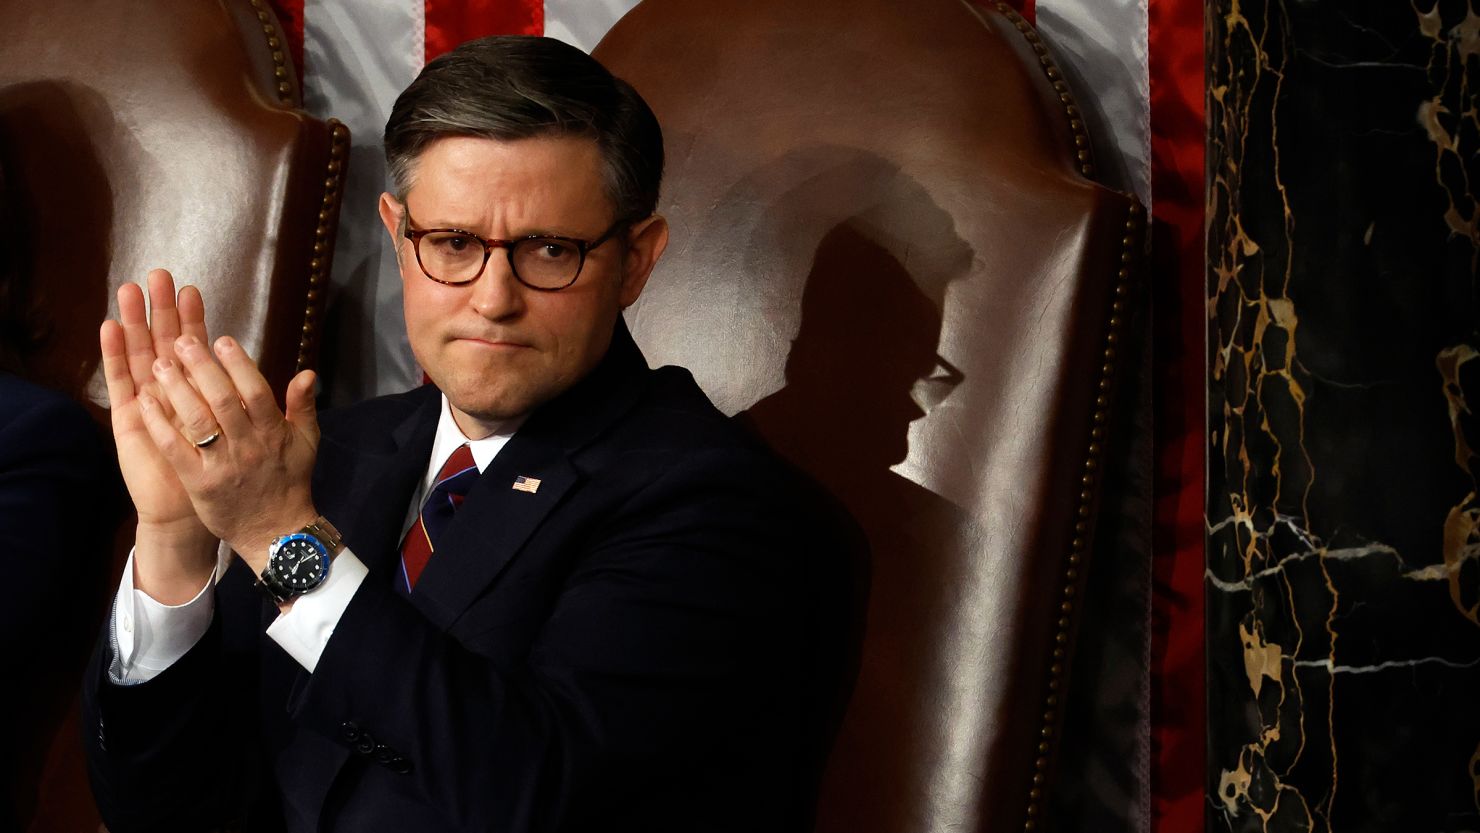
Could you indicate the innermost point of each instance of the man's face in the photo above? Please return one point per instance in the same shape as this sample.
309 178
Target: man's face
495 347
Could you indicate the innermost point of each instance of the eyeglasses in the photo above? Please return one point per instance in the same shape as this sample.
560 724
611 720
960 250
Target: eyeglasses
545 262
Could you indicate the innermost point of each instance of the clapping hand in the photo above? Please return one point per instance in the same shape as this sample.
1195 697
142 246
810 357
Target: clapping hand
205 451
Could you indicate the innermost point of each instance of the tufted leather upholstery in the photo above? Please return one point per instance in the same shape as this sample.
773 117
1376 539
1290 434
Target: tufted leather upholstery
158 133
889 254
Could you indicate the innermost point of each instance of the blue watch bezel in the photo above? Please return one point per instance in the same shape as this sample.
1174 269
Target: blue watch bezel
325 560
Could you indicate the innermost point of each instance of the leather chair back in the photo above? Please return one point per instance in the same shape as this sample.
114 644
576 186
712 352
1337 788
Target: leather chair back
156 133
166 133
889 254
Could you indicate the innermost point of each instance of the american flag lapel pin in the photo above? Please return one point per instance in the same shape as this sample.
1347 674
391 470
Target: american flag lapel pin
526 484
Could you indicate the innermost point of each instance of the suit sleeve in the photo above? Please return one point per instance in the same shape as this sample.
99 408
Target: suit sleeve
676 640
172 753
181 750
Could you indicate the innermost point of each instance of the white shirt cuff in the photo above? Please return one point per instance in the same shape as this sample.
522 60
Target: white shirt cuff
305 629
149 637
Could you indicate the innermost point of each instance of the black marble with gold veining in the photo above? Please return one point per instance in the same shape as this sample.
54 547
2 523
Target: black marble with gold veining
1343 338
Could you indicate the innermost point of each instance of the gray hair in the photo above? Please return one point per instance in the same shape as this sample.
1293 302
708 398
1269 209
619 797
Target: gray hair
519 87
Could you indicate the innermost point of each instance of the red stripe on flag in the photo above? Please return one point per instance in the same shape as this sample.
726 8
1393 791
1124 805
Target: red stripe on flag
451 22
290 16
1178 720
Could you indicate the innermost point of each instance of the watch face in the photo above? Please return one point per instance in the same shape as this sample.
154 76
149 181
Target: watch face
299 563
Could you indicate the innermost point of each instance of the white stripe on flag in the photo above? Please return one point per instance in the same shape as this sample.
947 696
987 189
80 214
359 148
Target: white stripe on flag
583 23
1103 44
357 58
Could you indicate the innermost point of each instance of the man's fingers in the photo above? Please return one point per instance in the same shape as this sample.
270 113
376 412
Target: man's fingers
137 341
180 454
255 393
192 311
222 400
164 319
302 411
115 364
193 415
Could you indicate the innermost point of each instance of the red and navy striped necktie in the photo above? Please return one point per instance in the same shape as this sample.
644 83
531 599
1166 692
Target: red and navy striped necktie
447 493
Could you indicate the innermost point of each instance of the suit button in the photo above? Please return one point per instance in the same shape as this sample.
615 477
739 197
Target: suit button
366 744
399 765
349 731
384 754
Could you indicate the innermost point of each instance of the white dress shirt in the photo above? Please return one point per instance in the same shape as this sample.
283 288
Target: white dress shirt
149 637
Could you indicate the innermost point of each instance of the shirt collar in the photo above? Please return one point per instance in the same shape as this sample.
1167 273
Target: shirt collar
449 437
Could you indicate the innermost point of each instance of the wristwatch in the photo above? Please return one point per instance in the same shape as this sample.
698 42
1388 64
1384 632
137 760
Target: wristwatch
299 562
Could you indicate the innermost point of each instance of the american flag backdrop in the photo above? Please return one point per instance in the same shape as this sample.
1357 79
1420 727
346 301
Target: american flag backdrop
1140 64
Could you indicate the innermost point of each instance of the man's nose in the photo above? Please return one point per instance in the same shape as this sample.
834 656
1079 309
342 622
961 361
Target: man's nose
497 294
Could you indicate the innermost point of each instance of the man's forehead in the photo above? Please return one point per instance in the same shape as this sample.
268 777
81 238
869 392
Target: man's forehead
458 179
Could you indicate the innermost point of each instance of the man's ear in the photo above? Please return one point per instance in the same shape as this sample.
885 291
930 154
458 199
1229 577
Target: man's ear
645 244
391 210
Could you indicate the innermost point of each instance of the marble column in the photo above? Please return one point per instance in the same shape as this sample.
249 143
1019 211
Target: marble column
1343 336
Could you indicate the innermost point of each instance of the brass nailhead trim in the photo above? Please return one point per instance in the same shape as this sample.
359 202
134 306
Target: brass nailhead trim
317 276
1054 74
1079 546
338 138
279 59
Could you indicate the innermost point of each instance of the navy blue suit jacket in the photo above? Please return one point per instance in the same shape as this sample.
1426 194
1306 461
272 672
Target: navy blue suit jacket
652 640
59 503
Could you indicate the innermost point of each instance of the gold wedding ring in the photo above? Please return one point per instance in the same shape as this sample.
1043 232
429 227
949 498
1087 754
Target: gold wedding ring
205 443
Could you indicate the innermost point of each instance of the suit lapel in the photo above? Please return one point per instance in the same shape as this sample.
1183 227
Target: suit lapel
368 490
493 523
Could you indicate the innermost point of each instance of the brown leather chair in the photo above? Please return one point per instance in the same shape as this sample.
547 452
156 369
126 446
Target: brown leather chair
161 133
889 253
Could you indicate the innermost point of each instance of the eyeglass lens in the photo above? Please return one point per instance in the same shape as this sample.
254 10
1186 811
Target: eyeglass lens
542 262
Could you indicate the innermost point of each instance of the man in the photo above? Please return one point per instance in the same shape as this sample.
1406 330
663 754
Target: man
611 611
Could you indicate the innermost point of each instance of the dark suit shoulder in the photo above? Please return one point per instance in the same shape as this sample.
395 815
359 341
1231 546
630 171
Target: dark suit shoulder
46 436
42 411
674 415
674 448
